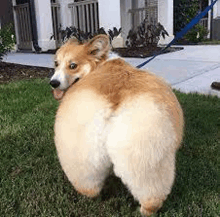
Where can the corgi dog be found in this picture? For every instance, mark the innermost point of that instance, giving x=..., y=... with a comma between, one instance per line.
x=114, y=116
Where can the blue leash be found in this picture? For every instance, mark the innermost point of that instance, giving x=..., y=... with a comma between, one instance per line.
x=182, y=32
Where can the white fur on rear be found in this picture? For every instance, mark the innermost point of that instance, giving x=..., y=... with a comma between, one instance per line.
x=140, y=143
x=138, y=140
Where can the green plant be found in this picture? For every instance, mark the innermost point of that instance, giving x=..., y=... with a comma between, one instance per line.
x=184, y=11
x=72, y=31
x=196, y=34
x=146, y=35
x=7, y=39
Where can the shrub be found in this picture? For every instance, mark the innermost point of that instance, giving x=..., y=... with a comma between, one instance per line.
x=184, y=11
x=146, y=35
x=196, y=34
x=7, y=39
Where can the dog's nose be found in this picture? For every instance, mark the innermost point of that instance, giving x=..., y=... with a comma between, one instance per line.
x=54, y=83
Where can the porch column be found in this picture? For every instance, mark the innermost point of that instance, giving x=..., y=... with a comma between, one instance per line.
x=215, y=21
x=109, y=14
x=216, y=12
x=141, y=4
x=126, y=23
x=15, y=25
x=65, y=13
x=44, y=24
x=216, y=9
x=165, y=17
x=109, y=17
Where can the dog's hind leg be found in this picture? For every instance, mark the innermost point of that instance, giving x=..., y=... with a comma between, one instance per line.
x=80, y=142
x=90, y=179
x=85, y=163
x=141, y=148
x=149, y=183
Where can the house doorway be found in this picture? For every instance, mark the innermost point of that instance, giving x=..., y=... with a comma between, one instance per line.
x=56, y=21
x=22, y=15
x=148, y=11
x=85, y=15
x=151, y=11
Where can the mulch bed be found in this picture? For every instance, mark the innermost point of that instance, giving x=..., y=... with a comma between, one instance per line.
x=14, y=72
x=215, y=85
x=143, y=52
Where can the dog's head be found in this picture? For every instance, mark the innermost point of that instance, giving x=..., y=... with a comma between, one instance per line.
x=74, y=60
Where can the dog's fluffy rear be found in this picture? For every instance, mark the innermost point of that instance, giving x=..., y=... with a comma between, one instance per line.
x=117, y=115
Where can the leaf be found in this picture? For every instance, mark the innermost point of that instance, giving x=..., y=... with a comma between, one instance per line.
x=166, y=33
x=111, y=34
x=115, y=31
x=101, y=31
x=51, y=37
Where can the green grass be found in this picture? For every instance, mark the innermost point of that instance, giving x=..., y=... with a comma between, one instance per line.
x=209, y=42
x=32, y=182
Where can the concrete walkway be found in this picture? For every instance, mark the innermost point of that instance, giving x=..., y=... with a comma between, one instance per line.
x=192, y=69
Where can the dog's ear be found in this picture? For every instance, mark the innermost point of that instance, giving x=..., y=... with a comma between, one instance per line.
x=99, y=46
x=72, y=40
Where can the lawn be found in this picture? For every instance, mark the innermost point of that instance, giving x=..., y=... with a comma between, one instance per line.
x=32, y=182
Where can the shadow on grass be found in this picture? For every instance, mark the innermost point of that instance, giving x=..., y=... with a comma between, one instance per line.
x=114, y=188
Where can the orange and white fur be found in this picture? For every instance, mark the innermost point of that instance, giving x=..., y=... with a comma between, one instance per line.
x=112, y=115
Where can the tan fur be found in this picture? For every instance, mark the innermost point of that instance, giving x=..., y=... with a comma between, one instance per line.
x=116, y=115
x=151, y=206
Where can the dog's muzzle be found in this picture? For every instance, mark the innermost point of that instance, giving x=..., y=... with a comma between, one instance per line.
x=57, y=92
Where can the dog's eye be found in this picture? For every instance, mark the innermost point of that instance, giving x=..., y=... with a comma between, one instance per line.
x=73, y=65
x=56, y=63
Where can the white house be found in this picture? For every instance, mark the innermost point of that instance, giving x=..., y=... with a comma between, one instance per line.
x=37, y=20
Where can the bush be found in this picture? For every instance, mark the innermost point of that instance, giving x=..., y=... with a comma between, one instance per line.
x=184, y=12
x=197, y=34
x=146, y=35
x=7, y=39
